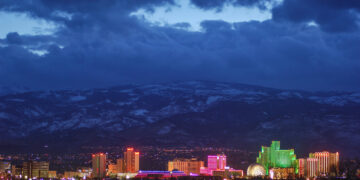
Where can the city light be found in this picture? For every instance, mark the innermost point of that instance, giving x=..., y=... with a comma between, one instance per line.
x=272, y=162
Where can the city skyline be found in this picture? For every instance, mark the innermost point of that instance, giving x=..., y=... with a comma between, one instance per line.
x=179, y=89
x=275, y=166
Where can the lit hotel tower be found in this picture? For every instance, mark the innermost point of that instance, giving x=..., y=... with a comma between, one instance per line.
x=328, y=162
x=302, y=167
x=131, y=160
x=312, y=167
x=216, y=162
x=99, y=165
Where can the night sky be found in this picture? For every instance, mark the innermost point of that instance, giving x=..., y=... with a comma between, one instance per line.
x=293, y=44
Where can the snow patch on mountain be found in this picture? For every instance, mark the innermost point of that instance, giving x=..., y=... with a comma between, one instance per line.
x=287, y=94
x=231, y=92
x=4, y=115
x=212, y=99
x=139, y=112
x=77, y=98
x=337, y=100
x=16, y=100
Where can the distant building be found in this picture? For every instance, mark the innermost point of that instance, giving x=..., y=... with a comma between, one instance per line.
x=117, y=167
x=228, y=173
x=216, y=162
x=256, y=170
x=52, y=174
x=72, y=174
x=120, y=165
x=112, y=169
x=5, y=166
x=217, y=167
x=282, y=173
x=187, y=165
x=274, y=157
x=328, y=162
x=159, y=174
x=302, y=167
x=99, y=165
x=131, y=160
x=40, y=169
x=83, y=173
x=35, y=169
x=17, y=171
x=312, y=167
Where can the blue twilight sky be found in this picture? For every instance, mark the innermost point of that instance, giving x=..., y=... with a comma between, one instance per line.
x=293, y=44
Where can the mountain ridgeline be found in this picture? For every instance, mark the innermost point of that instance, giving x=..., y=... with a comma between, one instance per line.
x=195, y=113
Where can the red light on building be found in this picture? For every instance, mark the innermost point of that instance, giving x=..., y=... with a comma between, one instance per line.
x=137, y=153
x=302, y=167
x=130, y=149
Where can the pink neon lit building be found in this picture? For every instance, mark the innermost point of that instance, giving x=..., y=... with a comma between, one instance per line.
x=216, y=162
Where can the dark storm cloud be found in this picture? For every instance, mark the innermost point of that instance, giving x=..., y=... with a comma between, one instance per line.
x=219, y=4
x=13, y=38
x=101, y=45
x=331, y=15
x=48, y=9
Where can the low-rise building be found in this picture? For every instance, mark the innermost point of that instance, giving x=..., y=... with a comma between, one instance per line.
x=188, y=166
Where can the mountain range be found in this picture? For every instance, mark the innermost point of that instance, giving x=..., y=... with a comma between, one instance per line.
x=188, y=113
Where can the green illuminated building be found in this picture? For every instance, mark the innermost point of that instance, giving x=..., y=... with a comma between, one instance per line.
x=274, y=157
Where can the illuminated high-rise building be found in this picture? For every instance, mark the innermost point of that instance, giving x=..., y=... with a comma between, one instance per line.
x=40, y=169
x=27, y=170
x=328, y=162
x=312, y=169
x=302, y=167
x=120, y=165
x=216, y=162
x=274, y=157
x=131, y=160
x=34, y=169
x=186, y=165
x=99, y=165
x=334, y=163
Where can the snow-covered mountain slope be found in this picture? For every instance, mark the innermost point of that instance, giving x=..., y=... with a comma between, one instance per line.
x=184, y=113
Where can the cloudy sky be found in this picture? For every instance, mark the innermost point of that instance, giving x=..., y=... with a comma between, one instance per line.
x=292, y=44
